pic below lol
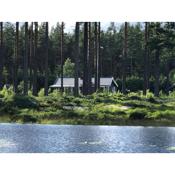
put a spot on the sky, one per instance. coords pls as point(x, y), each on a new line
point(70, 26)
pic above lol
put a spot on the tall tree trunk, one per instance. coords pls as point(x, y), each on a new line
point(145, 86)
point(62, 60)
point(99, 56)
point(31, 54)
point(76, 89)
point(167, 71)
point(15, 78)
point(148, 57)
point(35, 60)
point(26, 60)
point(85, 62)
point(96, 56)
point(1, 54)
point(90, 62)
point(124, 59)
point(46, 62)
point(157, 74)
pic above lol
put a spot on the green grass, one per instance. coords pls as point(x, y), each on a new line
point(98, 109)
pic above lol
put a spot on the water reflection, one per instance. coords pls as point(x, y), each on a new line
point(82, 139)
point(5, 143)
point(159, 138)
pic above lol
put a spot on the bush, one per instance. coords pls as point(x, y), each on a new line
point(70, 114)
point(92, 116)
point(25, 102)
point(172, 94)
point(134, 96)
point(6, 92)
point(168, 114)
point(152, 100)
point(78, 101)
point(133, 84)
point(41, 93)
point(138, 114)
point(28, 119)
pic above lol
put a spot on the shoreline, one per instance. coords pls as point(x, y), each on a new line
point(64, 121)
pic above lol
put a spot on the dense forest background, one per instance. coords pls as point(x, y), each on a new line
point(139, 56)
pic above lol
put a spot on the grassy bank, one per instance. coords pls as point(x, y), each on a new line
point(99, 108)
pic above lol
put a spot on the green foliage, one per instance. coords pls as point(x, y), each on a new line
point(5, 74)
point(28, 119)
point(172, 94)
point(7, 92)
point(167, 114)
point(161, 36)
point(68, 68)
point(138, 114)
point(149, 94)
point(41, 93)
point(98, 108)
point(57, 70)
point(25, 101)
point(134, 96)
point(21, 87)
point(133, 84)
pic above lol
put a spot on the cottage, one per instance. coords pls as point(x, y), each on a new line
point(108, 84)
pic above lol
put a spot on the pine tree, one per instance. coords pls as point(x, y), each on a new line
point(1, 54)
point(124, 59)
point(25, 73)
point(90, 62)
point(34, 92)
point(16, 58)
point(145, 86)
point(61, 55)
point(157, 73)
point(46, 61)
point(96, 56)
point(85, 60)
point(99, 56)
point(31, 50)
point(76, 89)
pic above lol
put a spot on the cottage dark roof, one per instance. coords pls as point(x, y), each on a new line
point(69, 82)
point(105, 81)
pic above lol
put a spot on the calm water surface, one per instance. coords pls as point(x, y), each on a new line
point(35, 138)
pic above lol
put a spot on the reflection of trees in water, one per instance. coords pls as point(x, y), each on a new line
point(159, 136)
point(38, 138)
point(35, 138)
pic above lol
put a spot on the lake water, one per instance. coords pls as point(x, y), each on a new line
point(35, 138)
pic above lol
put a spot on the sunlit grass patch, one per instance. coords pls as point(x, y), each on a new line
point(168, 115)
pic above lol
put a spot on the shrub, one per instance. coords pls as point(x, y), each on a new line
point(71, 114)
point(28, 119)
point(6, 92)
point(78, 101)
point(138, 114)
point(41, 93)
point(172, 94)
point(92, 116)
point(133, 84)
point(25, 102)
point(168, 114)
point(149, 94)
point(134, 96)
point(152, 100)
point(55, 93)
